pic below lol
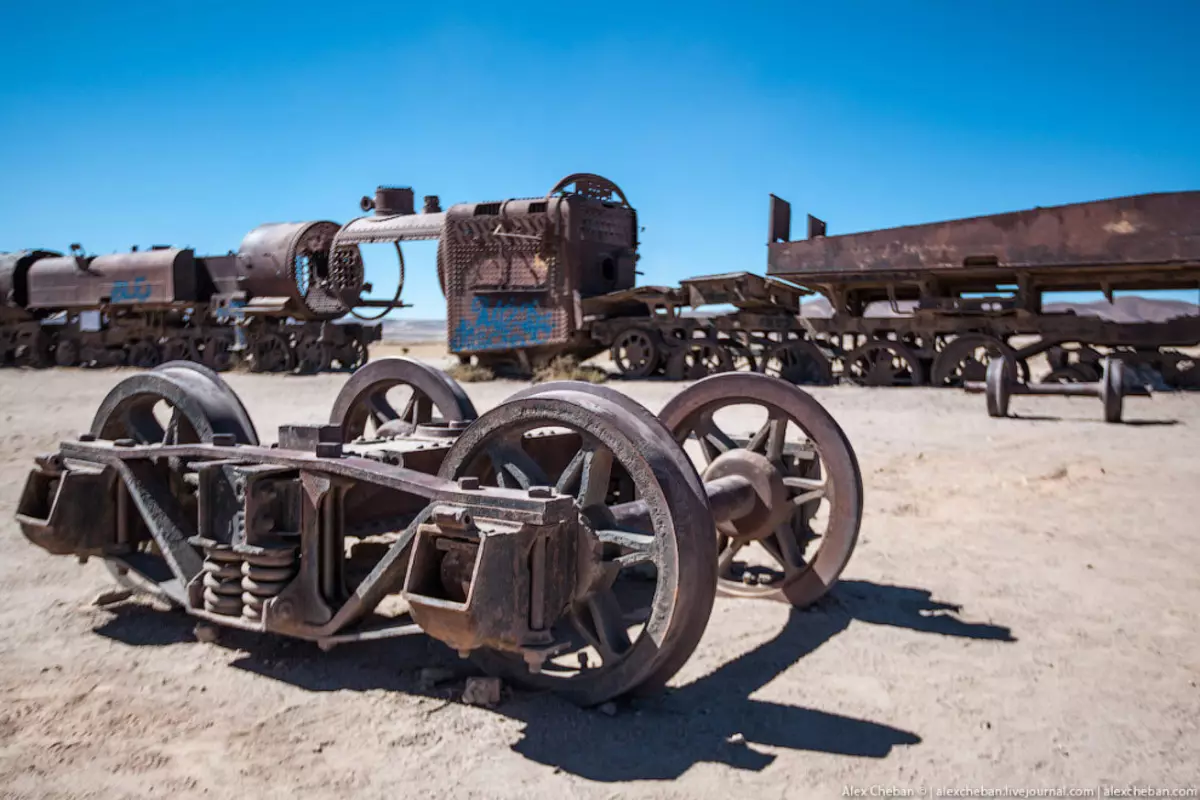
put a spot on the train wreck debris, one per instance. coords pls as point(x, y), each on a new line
point(563, 540)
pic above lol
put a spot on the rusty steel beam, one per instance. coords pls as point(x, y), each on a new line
point(1106, 242)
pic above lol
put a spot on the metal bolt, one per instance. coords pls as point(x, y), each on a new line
point(541, 492)
point(124, 443)
point(468, 483)
point(224, 440)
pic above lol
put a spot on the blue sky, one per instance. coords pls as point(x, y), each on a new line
point(190, 123)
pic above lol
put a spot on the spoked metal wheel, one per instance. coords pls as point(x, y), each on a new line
point(311, 355)
point(271, 353)
point(177, 403)
point(639, 611)
point(636, 352)
point(144, 354)
point(367, 404)
point(215, 353)
point(966, 359)
point(804, 527)
point(704, 357)
point(884, 363)
point(798, 362)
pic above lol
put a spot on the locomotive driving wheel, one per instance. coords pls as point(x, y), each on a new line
point(797, 543)
point(797, 361)
point(144, 354)
point(642, 603)
point(884, 363)
point(364, 406)
point(636, 352)
point(311, 355)
point(270, 353)
point(215, 353)
point(966, 359)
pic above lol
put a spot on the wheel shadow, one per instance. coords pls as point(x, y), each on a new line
point(712, 719)
point(1133, 423)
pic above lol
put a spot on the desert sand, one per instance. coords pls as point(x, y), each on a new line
point(1022, 611)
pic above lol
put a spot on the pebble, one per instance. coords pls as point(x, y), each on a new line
point(737, 738)
point(608, 709)
point(482, 692)
point(108, 597)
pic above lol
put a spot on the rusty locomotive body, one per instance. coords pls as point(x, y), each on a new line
point(523, 287)
point(272, 303)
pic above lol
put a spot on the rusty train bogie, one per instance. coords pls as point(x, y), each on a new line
point(564, 539)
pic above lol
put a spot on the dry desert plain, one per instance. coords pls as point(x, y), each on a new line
point(1022, 611)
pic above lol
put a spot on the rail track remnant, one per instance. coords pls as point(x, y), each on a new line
point(563, 540)
point(1112, 388)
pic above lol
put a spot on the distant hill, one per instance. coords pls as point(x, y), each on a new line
point(414, 330)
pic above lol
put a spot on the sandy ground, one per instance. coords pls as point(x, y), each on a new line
point(1022, 611)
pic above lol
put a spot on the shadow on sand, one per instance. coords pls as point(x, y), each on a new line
point(657, 738)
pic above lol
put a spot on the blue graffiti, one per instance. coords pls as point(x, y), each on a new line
point(135, 291)
point(497, 325)
point(232, 311)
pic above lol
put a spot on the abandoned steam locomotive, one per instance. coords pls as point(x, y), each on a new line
point(528, 280)
point(272, 303)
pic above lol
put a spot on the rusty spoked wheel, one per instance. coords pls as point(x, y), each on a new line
point(144, 354)
point(368, 400)
point(966, 359)
point(703, 357)
point(178, 402)
point(801, 535)
point(799, 362)
point(640, 609)
point(884, 363)
point(636, 352)
point(271, 353)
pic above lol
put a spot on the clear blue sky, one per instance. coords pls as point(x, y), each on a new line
point(190, 123)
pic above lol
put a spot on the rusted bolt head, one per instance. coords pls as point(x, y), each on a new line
point(541, 492)
point(87, 436)
point(224, 439)
point(468, 483)
point(124, 443)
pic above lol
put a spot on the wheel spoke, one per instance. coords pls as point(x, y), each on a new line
point(514, 467)
point(640, 546)
point(725, 560)
point(776, 438)
point(594, 477)
point(784, 548)
point(811, 489)
point(713, 441)
point(569, 480)
point(141, 425)
point(380, 409)
point(609, 624)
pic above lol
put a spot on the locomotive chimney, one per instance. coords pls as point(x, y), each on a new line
point(433, 205)
point(390, 201)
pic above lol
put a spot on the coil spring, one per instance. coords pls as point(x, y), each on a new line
point(222, 581)
point(263, 575)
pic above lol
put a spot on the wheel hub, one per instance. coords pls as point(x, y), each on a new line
point(771, 506)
